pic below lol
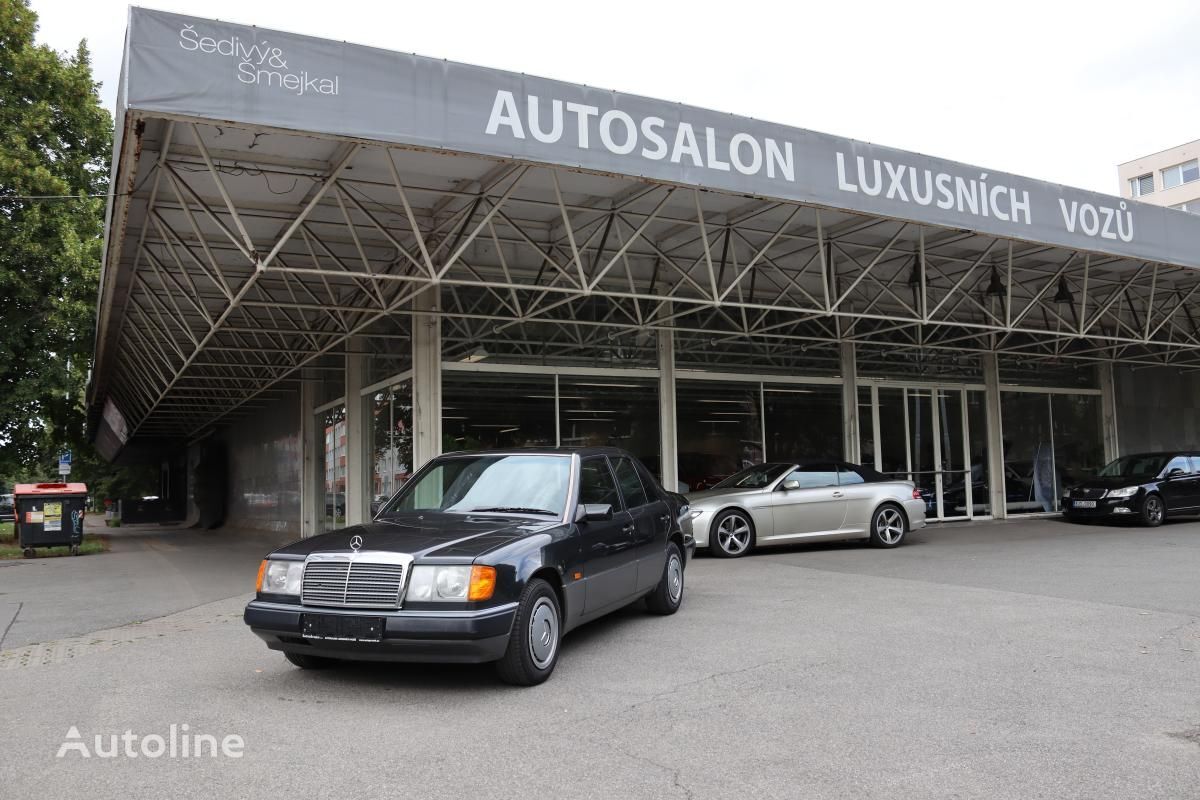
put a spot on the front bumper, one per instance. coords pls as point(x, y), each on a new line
point(422, 636)
point(1106, 508)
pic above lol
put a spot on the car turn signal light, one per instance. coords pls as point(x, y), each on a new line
point(483, 583)
point(916, 494)
point(262, 570)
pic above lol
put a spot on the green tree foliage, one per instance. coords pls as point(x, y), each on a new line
point(55, 144)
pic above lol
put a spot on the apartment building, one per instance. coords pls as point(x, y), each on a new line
point(1168, 178)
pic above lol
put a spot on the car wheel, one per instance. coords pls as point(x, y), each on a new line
point(305, 661)
point(732, 535)
point(887, 527)
point(668, 595)
point(1153, 511)
point(533, 642)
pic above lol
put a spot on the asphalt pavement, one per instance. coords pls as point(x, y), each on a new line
point(1005, 660)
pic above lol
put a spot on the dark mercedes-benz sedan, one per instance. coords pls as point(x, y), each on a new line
point(1145, 487)
point(484, 556)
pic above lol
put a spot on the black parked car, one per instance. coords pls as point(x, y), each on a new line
point(485, 556)
point(1147, 487)
point(6, 508)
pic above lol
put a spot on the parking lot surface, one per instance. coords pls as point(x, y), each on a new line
point(1001, 660)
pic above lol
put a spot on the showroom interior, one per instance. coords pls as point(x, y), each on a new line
point(312, 310)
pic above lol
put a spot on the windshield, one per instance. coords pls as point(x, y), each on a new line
point(1134, 467)
point(755, 477)
point(516, 484)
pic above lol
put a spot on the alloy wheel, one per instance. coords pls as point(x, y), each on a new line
point(1154, 510)
point(733, 534)
point(889, 526)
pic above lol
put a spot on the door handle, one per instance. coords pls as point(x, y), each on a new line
point(665, 518)
point(837, 494)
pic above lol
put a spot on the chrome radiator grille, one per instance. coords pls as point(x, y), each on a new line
point(352, 583)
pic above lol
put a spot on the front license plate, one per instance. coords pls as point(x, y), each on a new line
point(1085, 504)
point(336, 627)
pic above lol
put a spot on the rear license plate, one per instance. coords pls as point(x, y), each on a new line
point(1085, 504)
point(336, 627)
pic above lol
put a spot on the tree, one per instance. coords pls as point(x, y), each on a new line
point(55, 144)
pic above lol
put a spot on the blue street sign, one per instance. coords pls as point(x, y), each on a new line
point(64, 458)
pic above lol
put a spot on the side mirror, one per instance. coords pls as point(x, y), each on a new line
point(790, 484)
point(593, 512)
point(1175, 473)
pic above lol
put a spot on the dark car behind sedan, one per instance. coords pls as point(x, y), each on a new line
point(7, 513)
point(1144, 487)
point(485, 556)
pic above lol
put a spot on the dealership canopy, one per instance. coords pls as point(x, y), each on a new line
point(277, 196)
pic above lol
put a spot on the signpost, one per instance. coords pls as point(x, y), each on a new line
point(64, 463)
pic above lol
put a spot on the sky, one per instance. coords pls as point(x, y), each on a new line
point(1055, 90)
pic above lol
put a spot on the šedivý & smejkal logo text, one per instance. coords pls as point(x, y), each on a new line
point(259, 64)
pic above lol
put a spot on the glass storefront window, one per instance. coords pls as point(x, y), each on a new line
point(1029, 480)
point(391, 440)
point(866, 428)
point(617, 411)
point(482, 411)
point(1078, 438)
point(332, 472)
point(803, 422)
point(719, 429)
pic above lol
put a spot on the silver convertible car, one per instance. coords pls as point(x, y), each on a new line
point(787, 503)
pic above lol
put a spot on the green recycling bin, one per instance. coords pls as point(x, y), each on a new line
point(49, 515)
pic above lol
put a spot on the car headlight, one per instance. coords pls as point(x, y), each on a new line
point(692, 513)
point(451, 584)
point(280, 577)
point(1125, 491)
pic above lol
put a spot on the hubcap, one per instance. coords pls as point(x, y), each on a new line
point(889, 526)
point(675, 578)
point(1153, 509)
point(543, 632)
point(733, 534)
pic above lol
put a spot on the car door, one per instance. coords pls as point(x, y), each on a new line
point(812, 503)
point(1176, 490)
point(860, 497)
point(651, 521)
point(609, 563)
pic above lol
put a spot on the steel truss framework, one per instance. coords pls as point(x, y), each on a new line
point(248, 256)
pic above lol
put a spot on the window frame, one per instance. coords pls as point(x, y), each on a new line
point(621, 486)
point(617, 507)
point(805, 468)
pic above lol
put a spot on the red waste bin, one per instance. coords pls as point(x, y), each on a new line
point(49, 515)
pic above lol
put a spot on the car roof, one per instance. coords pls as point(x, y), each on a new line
point(1161, 454)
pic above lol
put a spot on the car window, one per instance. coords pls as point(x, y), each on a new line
point(755, 477)
point(847, 476)
point(631, 484)
point(596, 484)
point(1195, 463)
point(814, 476)
point(1178, 462)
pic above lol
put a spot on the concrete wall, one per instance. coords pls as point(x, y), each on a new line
point(265, 457)
point(1158, 408)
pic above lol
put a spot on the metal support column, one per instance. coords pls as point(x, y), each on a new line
point(312, 447)
point(850, 443)
point(358, 435)
point(1108, 411)
point(995, 436)
point(427, 378)
point(668, 447)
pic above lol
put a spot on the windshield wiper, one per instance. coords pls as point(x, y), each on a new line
point(515, 510)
